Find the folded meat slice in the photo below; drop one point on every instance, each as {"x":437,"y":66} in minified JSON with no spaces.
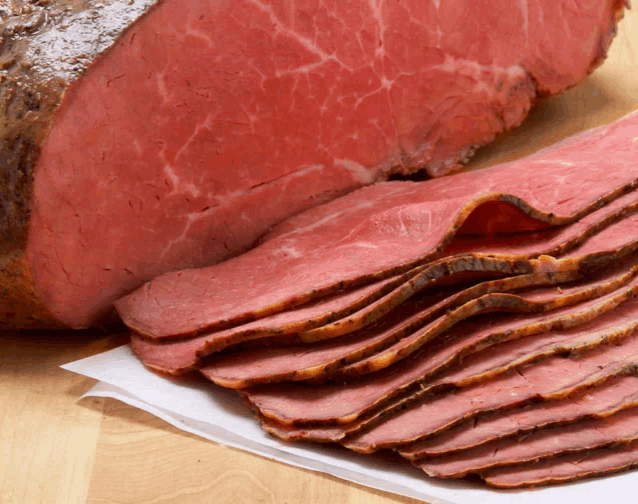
{"x":241,"y":369}
{"x":554,"y":241}
{"x":565,"y":468}
{"x":367,"y":398}
{"x":543,"y":443}
{"x":551,"y":378}
{"x":383,"y":230}
{"x":597,"y":402}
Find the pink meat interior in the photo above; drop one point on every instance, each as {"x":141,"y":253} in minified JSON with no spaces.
{"x":208,"y":122}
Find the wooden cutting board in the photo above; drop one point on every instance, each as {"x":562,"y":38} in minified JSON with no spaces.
{"x":100,"y":451}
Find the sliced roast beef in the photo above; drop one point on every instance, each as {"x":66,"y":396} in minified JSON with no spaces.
{"x":544,"y":443}
{"x":352,"y":311}
{"x":551,"y":378}
{"x":183,"y":355}
{"x":132,"y":120}
{"x":242,"y":369}
{"x":566,"y":468}
{"x":331,"y":433}
{"x":396,"y":387}
{"x":482,"y":367}
{"x":524,"y":351}
{"x":596,"y":402}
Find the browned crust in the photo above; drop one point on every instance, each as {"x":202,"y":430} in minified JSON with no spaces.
{"x":34,"y":78}
{"x":617,"y":14}
{"x":27,"y":105}
{"x":19,"y":306}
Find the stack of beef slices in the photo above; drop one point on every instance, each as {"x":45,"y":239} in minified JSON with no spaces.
{"x":484,"y":323}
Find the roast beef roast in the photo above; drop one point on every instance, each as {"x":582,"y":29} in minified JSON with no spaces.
{"x":143,"y":136}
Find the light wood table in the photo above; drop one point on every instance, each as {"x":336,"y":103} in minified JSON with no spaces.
{"x":54,"y":450}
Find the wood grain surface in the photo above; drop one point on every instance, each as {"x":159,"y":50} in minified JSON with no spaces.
{"x":99,"y":451}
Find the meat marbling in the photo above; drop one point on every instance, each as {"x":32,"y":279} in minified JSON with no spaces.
{"x":166,"y":135}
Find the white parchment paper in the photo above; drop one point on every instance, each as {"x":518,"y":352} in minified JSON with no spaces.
{"x":218,"y":415}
